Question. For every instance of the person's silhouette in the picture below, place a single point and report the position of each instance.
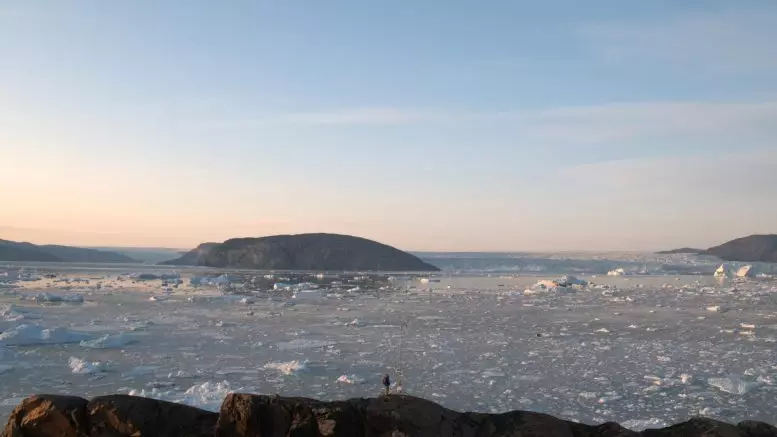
(387, 383)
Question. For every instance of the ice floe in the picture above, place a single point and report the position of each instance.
(350, 379)
(108, 341)
(23, 335)
(304, 344)
(287, 367)
(83, 367)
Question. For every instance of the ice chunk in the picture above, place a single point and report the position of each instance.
(208, 395)
(723, 271)
(83, 367)
(616, 272)
(746, 272)
(714, 308)
(643, 424)
(108, 341)
(33, 334)
(350, 379)
(733, 385)
(287, 367)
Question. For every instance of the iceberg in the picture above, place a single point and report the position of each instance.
(83, 367)
(745, 272)
(722, 271)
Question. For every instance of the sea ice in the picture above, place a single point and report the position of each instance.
(288, 367)
(48, 297)
(108, 341)
(139, 371)
(733, 385)
(350, 379)
(83, 367)
(304, 344)
(23, 335)
(643, 424)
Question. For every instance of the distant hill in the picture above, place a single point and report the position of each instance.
(681, 250)
(332, 252)
(754, 248)
(16, 251)
(150, 255)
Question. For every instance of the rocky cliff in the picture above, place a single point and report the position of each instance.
(303, 252)
(246, 415)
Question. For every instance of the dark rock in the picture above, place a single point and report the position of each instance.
(697, 427)
(303, 252)
(755, 248)
(123, 415)
(48, 416)
(681, 250)
(757, 429)
(247, 415)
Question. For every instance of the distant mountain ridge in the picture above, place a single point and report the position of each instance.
(681, 250)
(22, 251)
(753, 248)
(333, 252)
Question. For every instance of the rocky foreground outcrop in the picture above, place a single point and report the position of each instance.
(247, 415)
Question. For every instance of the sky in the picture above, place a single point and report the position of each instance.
(428, 125)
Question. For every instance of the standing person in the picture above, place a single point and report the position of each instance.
(387, 383)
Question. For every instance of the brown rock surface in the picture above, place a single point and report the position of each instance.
(246, 415)
(122, 415)
(48, 416)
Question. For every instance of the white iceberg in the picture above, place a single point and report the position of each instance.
(723, 271)
(83, 367)
(616, 272)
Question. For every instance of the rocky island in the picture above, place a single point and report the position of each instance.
(248, 415)
(753, 248)
(321, 252)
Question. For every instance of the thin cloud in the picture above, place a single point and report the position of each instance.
(733, 41)
(607, 121)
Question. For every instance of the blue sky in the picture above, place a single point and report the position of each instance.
(434, 125)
